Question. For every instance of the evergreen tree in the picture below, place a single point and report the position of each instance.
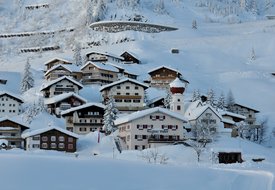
(211, 98)
(89, 11)
(168, 98)
(230, 101)
(198, 94)
(110, 115)
(27, 81)
(77, 55)
(221, 102)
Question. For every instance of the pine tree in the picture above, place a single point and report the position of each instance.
(168, 98)
(194, 24)
(198, 94)
(211, 98)
(27, 81)
(221, 102)
(77, 55)
(110, 115)
(230, 101)
(89, 11)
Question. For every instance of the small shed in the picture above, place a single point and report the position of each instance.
(230, 157)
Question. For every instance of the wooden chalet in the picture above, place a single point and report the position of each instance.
(103, 57)
(84, 119)
(162, 76)
(11, 130)
(51, 138)
(130, 58)
(60, 70)
(56, 61)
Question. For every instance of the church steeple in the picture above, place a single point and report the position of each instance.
(177, 88)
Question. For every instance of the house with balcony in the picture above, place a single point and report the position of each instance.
(60, 70)
(150, 128)
(59, 86)
(11, 130)
(10, 104)
(130, 58)
(57, 104)
(249, 113)
(128, 94)
(85, 118)
(162, 76)
(103, 57)
(98, 73)
(57, 61)
(51, 138)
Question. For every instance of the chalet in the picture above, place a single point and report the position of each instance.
(56, 61)
(156, 102)
(150, 128)
(162, 76)
(103, 57)
(61, 85)
(249, 113)
(10, 104)
(62, 102)
(128, 94)
(84, 119)
(199, 114)
(123, 72)
(130, 58)
(11, 131)
(60, 70)
(99, 73)
(51, 138)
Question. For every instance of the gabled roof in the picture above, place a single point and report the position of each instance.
(70, 68)
(23, 126)
(231, 114)
(139, 114)
(256, 111)
(163, 66)
(153, 100)
(130, 53)
(57, 58)
(43, 130)
(19, 99)
(106, 53)
(58, 80)
(63, 96)
(197, 112)
(102, 66)
(122, 81)
(82, 107)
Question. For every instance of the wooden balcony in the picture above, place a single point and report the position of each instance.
(127, 97)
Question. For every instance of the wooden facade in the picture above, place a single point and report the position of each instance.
(230, 157)
(11, 131)
(129, 58)
(61, 71)
(56, 61)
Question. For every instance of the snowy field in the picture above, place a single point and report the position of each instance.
(217, 55)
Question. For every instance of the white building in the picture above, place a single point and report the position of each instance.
(10, 104)
(151, 128)
(128, 94)
(61, 85)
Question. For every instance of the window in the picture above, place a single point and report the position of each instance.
(44, 145)
(136, 87)
(128, 138)
(13, 134)
(36, 138)
(53, 145)
(127, 101)
(44, 138)
(136, 94)
(35, 146)
(140, 127)
(70, 139)
(70, 146)
(61, 138)
(118, 100)
(53, 138)
(127, 87)
(61, 145)
(118, 87)
(118, 93)
(178, 100)
(127, 94)
(208, 114)
(178, 108)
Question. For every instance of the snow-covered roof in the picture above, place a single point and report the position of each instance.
(63, 96)
(190, 106)
(163, 66)
(177, 83)
(249, 108)
(229, 121)
(197, 112)
(131, 53)
(58, 58)
(70, 68)
(14, 121)
(139, 114)
(43, 130)
(106, 53)
(153, 100)
(60, 79)
(83, 107)
(122, 81)
(19, 99)
(225, 113)
(102, 66)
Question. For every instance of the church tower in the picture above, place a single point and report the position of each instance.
(177, 88)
